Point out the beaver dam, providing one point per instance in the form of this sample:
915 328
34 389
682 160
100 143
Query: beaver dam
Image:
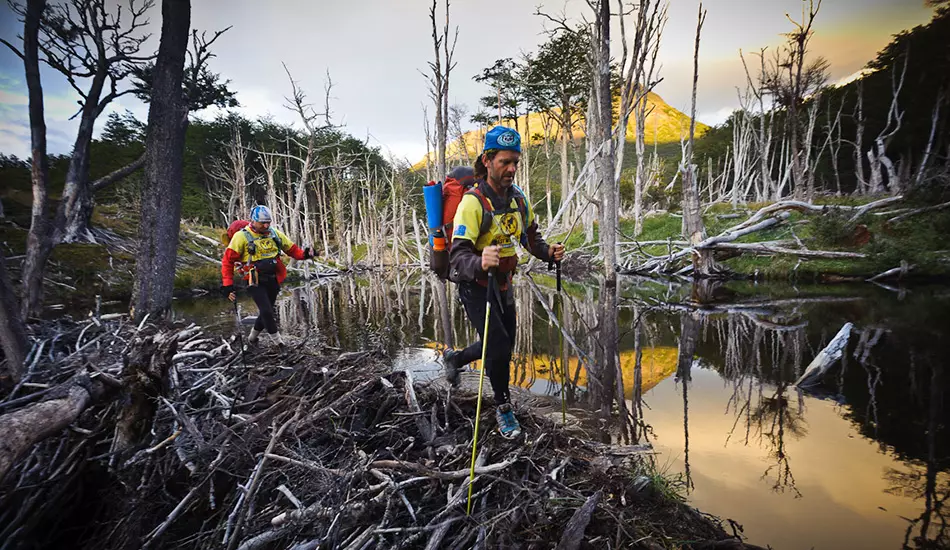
168 437
128 436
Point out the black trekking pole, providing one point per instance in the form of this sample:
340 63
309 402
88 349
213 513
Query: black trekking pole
239 332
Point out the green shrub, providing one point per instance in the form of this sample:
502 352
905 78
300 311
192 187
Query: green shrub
831 229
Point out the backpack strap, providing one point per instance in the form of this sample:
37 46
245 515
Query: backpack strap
252 246
488 211
250 238
273 235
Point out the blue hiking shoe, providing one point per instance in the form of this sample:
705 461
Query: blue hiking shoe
508 425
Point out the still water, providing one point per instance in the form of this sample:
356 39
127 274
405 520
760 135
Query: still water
861 462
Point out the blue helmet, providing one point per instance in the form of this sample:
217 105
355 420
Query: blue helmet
260 213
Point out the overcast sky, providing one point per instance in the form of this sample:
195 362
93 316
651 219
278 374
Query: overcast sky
374 51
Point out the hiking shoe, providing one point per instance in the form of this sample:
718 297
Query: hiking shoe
508 425
453 370
282 350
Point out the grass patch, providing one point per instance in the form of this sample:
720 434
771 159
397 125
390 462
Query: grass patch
205 277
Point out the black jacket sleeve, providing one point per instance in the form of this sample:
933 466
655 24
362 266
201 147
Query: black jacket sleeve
465 264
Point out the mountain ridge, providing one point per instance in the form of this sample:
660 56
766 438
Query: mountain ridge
664 124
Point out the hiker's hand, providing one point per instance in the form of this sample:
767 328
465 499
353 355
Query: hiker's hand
309 253
228 291
491 257
556 252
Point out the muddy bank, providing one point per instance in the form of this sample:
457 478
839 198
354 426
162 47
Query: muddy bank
171 437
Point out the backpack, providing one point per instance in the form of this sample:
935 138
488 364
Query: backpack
452 192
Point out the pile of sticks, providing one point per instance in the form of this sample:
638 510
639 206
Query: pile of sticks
137 436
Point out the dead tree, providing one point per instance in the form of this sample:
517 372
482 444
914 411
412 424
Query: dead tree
693 229
456 115
639 80
600 144
164 166
86 43
13 339
928 150
791 80
232 172
763 137
439 83
39 241
743 154
877 154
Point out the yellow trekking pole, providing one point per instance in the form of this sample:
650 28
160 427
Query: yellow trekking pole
481 381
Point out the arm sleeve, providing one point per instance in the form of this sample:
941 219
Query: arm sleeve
289 247
465 263
227 266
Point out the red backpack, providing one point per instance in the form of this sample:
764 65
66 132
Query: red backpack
452 192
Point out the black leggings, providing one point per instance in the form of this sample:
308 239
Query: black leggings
265 296
501 335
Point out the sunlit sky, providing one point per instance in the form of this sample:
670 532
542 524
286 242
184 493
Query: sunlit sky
375 51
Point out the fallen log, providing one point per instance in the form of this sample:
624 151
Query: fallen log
872 205
900 271
24 428
574 531
763 248
934 208
826 357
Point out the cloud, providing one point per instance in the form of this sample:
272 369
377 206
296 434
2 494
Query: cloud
715 118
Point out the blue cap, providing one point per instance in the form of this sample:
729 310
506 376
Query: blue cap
260 213
502 138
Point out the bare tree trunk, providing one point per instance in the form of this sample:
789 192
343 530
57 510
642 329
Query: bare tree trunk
77 197
862 184
928 150
547 163
165 148
565 123
439 81
693 228
13 339
605 164
39 241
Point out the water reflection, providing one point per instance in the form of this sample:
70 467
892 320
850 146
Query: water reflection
707 376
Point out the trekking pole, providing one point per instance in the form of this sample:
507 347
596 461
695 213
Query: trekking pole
481 381
240 338
557 314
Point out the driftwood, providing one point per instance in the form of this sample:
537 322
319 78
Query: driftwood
826 357
574 530
917 211
23 428
900 272
765 218
765 248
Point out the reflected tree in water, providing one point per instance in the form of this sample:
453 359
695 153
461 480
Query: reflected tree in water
763 354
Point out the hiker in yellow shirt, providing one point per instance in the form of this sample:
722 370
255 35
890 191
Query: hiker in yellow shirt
490 220
256 248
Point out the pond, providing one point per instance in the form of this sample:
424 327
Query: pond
863 461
